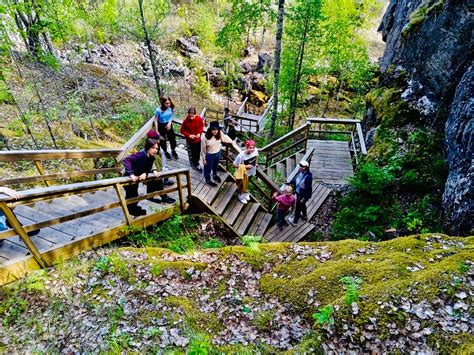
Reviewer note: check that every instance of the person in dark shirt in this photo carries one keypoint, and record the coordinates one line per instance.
(138, 166)
(303, 182)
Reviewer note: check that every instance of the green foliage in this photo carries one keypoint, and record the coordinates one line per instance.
(248, 240)
(104, 264)
(369, 207)
(325, 315)
(12, 309)
(181, 245)
(212, 243)
(243, 17)
(352, 286)
(199, 346)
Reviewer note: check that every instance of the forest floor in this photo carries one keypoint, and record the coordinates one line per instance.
(406, 294)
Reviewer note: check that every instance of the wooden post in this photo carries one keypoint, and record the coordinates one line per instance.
(40, 168)
(18, 228)
(123, 203)
(180, 192)
(188, 183)
(307, 136)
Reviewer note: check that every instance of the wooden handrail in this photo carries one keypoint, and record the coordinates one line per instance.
(63, 190)
(39, 155)
(331, 120)
(132, 142)
(363, 149)
(241, 108)
(284, 138)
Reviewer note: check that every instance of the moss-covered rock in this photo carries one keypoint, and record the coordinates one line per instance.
(406, 294)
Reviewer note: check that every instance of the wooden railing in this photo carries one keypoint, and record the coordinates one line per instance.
(40, 156)
(48, 193)
(289, 143)
(355, 136)
(263, 118)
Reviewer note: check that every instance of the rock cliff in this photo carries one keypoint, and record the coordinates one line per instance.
(431, 42)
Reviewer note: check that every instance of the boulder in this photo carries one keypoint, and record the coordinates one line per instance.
(258, 98)
(245, 67)
(265, 61)
(188, 46)
(216, 77)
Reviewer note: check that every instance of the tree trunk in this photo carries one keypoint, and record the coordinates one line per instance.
(279, 34)
(300, 57)
(45, 115)
(150, 50)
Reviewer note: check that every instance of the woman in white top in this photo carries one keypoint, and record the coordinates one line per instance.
(211, 147)
(247, 157)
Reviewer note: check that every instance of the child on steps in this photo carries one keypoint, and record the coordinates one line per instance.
(285, 203)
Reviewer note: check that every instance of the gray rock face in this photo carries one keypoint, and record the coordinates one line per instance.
(188, 46)
(458, 198)
(433, 40)
(265, 60)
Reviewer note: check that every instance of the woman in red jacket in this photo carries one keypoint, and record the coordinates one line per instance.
(191, 129)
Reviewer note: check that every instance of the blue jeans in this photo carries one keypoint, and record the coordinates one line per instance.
(3, 222)
(212, 162)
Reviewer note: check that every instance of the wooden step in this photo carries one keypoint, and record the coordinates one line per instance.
(245, 218)
(225, 195)
(271, 172)
(233, 210)
(11, 251)
(260, 223)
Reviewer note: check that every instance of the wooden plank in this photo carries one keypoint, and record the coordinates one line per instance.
(296, 237)
(243, 225)
(226, 195)
(77, 188)
(57, 176)
(231, 213)
(256, 222)
(323, 120)
(290, 165)
(263, 225)
(31, 155)
(132, 142)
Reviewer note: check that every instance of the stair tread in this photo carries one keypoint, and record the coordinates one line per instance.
(281, 168)
(224, 197)
(260, 223)
(231, 213)
(248, 214)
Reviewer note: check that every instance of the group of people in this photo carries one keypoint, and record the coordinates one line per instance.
(207, 146)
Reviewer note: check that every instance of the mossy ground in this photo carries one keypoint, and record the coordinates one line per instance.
(151, 299)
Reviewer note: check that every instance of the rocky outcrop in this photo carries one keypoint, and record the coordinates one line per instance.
(431, 42)
(458, 198)
(265, 62)
(188, 47)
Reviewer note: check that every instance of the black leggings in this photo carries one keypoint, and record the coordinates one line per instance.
(300, 209)
(194, 153)
(168, 135)
(131, 191)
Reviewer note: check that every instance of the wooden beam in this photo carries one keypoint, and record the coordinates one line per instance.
(57, 176)
(73, 189)
(123, 204)
(363, 149)
(132, 142)
(22, 234)
(331, 120)
(40, 169)
(32, 155)
(283, 139)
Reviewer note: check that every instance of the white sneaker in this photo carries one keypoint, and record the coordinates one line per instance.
(242, 198)
(247, 196)
(291, 221)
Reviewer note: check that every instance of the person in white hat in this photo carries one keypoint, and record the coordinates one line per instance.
(303, 182)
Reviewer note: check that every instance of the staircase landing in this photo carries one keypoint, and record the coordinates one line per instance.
(331, 162)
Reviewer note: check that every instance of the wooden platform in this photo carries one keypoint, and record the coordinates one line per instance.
(331, 162)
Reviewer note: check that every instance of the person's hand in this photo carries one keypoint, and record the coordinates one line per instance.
(275, 194)
(249, 166)
(302, 200)
(134, 177)
(192, 136)
(204, 162)
(142, 176)
(168, 126)
(10, 192)
(157, 173)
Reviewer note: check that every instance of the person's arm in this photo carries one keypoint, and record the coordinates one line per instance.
(170, 122)
(237, 161)
(10, 192)
(226, 139)
(201, 126)
(128, 164)
(203, 150)
(184, 128)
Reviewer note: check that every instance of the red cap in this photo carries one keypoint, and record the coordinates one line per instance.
(153, 134)
(250, 142)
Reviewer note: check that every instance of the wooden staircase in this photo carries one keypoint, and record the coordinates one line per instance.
(222, 201)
